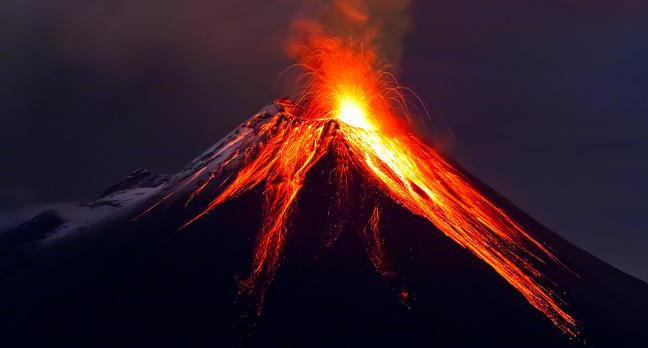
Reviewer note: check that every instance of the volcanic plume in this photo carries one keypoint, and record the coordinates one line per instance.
(352, 107)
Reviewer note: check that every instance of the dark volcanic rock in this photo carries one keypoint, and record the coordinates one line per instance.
(144, 283)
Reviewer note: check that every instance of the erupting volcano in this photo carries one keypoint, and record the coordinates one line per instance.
(324, 220)
(352, 107)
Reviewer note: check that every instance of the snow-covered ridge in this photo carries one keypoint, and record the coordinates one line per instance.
(213, 156)
(57, 220)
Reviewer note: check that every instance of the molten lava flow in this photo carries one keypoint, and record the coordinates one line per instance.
(419, 179)
(351, 106)
(374, 243)
(289, 150)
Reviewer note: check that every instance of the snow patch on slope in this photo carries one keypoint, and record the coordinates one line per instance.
(72, 216)
(54, 221)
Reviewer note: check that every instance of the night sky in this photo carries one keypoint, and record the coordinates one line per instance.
(546, 101)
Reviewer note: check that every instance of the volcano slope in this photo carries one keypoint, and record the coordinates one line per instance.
(133, 280)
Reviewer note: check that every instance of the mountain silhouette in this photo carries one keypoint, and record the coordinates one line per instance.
(121, 272)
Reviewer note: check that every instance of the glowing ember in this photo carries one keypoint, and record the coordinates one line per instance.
(352, 106)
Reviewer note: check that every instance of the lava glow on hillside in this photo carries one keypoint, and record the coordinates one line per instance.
(352, 106)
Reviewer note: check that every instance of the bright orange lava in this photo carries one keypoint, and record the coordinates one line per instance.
(352, 113)
(351, 106)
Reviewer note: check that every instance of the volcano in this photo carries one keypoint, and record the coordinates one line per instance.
(163, 261)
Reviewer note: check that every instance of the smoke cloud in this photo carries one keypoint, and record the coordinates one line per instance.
(383, 23)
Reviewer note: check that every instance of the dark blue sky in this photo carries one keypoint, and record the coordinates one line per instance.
(543, 100)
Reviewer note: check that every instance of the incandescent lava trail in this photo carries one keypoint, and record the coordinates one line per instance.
(352, 106)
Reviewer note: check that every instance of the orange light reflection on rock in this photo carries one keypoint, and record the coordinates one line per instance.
(352, 106)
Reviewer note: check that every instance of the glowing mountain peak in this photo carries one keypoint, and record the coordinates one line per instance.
(352, 112)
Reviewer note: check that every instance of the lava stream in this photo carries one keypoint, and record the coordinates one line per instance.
(350, 105)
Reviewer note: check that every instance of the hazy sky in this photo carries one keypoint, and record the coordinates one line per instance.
(543, 100)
